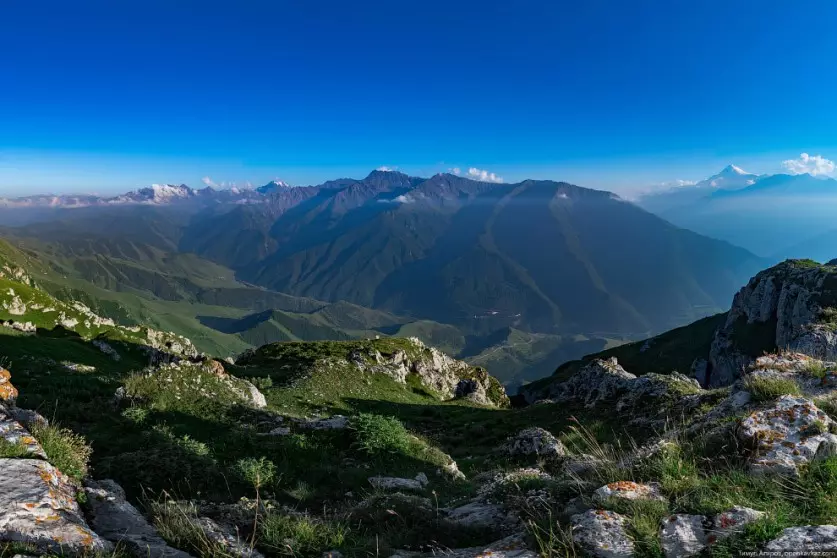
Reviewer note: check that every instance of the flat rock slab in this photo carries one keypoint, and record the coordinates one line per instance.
(482, 514)
(395, 483)
(603, 534)
(118, 521)
(809, 538)
(38, 506)
(510, 547)
(629, 490)
(786, 435)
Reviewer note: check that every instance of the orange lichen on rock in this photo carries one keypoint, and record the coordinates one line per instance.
(8, 392)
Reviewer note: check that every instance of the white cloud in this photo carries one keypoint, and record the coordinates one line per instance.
(456, 170)
(483, 175)
(208, 181)
(387, 169)
(815, 165)
(403, 198)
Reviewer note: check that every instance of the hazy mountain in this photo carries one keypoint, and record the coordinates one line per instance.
(540, 255)
(731, 178)
(771, 216)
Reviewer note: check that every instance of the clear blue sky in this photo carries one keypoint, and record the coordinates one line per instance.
(110, 95)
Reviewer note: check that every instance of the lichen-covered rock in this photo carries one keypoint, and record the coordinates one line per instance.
(8, 392)
(685, 535)
(38, 506)
(602, 533)
(115, 519)
(600, 380)
(395, 483)
(786, 435)
(629, 490)
(779, 307)
(805, 539)
(534, 441)
(814, 377)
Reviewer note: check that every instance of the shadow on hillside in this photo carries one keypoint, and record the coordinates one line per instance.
(462, 430)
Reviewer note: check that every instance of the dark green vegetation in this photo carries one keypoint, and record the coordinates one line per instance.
(458, 263)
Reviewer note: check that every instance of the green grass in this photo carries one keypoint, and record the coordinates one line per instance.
(284, 535)
(766, 388)
(66, 450)
(380, 436)
(13, 449)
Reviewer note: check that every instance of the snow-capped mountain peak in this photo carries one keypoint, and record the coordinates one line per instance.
(273, 186)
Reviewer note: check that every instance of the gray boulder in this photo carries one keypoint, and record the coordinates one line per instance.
(115, 519)
(786, 435)
(806, 539)
(602, 534)
(38, 506)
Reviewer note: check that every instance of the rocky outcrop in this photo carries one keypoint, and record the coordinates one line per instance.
(534, 441)
(115, 519)
(779, 307)
(602, 534)
(38, 506)
(786, 435)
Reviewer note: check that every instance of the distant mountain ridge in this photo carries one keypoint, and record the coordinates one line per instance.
(543, 267)
(771, 215)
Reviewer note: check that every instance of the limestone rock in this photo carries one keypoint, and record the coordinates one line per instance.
(807, 539)
(115, 519)
(395, 483)
(336, 422)
(786, 435)
(600, 380)
(471, 390)
(534, 441)
(628, 490)
(602, 534)
(38, 506)
(683, 535)
(256, 397)
(482, 514)
(779, 307)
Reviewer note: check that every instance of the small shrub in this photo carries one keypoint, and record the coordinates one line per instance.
(65, 449)
(261, 382)
(380, 436)
(764, 388)
(815, 369)
(257, 472)
(137, 415)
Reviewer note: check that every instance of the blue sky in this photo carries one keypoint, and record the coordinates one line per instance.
(105, 96)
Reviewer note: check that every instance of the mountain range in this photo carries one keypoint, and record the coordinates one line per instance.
(514, 275)
(776, 216)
